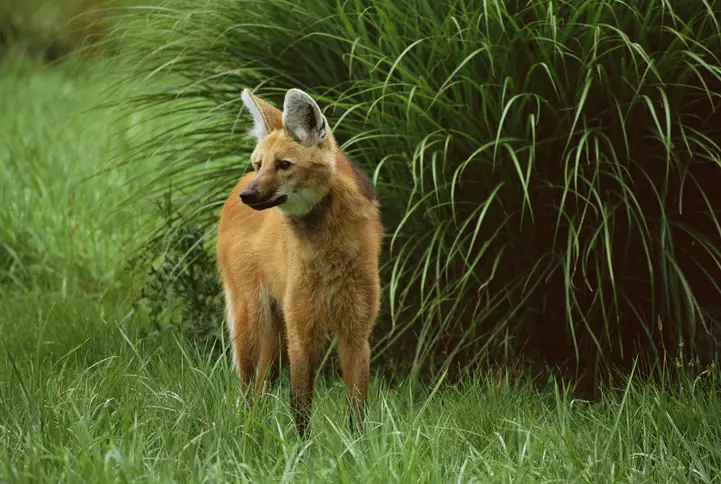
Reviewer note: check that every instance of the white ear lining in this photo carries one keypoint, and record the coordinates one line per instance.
(323, 131)
(258, 122)
(303, 119)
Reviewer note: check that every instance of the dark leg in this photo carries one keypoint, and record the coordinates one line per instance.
(242, 328)
(303, 353)
(355, 361)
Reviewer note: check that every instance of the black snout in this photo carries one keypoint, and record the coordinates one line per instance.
(249, 197)
(253, 199)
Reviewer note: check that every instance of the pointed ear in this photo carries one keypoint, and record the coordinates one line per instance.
(266, 118)
(302, 118)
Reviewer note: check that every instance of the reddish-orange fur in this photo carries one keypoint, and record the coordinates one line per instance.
(301, 275)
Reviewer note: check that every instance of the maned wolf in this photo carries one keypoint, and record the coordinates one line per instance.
(298, 248)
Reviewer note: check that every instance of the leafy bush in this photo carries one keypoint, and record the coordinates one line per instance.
(181, 290)
(548, 171)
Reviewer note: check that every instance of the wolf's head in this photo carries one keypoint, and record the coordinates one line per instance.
(294, 159)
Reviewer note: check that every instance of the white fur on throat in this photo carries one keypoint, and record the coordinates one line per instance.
(258, 123)
(300, 201)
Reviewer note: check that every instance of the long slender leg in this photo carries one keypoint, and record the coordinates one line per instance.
(304, 344)
(355, 362)
(269, 344)
(243, 333)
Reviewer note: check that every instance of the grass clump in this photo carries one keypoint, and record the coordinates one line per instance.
(547, 170)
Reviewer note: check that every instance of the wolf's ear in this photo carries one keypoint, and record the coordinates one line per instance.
(302, 118)
(266, 118)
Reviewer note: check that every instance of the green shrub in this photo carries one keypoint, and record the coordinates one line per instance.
(181, 290)
(548, 171)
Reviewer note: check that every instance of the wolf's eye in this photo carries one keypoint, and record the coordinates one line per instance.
(283, 164)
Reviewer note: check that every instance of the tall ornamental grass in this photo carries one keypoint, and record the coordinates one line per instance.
(548, 170)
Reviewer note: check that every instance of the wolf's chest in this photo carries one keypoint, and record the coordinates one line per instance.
(333, 284)
(331, 274)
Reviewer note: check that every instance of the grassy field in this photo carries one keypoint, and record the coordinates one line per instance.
(87, 396)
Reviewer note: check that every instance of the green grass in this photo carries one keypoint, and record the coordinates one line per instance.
(90, 393)
(85, 399)
(62, 226)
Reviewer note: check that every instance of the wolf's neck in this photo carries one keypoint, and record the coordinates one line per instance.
(339, 206)
(316, 220)
(342, 204)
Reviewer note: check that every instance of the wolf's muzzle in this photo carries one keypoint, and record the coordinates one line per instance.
(251, 198)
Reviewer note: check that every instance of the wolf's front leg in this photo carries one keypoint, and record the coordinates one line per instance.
(304, 349)
(355, 361)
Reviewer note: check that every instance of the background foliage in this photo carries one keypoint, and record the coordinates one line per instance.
(106, 373)
(547, 170)
(52, 28)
